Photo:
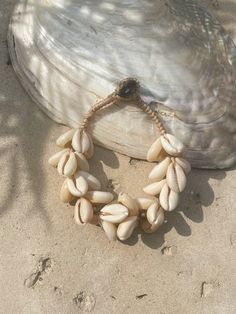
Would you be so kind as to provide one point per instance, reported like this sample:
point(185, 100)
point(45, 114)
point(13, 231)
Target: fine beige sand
point(50, 265)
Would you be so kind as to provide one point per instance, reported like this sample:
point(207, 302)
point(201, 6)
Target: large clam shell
point(68, 54)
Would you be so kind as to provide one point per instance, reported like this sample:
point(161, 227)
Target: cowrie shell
point(150, 228)
point(89, 153)
point(110, 230)
point(114, 213)
point(70, 165)
point(175, 142)
point(79, 187)
point(159, 171)
point(171, 144)
point(171, 178)
point(145, 202)
point(82, 162)
point(83, 211)
point(181, 177)
point(164, 201)
point(175, 178)
point(128, 202)
point(168, 198)
point(126, 228)
point(81, 141)
point(173, 200)
point(65, 195)
point(93, 182)
point(76, 141)
point(184, 164)
point(99, 197)
point(62, 162)
point(54, 159)
point(154, 188)
point(159, 218)
point(85, 142)
point(65, 138)
point(154, 150)
point(152, 212)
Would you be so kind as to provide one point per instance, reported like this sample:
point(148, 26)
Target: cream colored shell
point(68, 54)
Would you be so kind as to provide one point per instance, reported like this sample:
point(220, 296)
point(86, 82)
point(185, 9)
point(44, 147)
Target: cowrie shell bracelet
point(118, 218)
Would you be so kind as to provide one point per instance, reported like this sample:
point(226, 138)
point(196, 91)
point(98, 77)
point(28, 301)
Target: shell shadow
point(198, 194)
point(24, 131)
point(100, 158)
point(196, 198)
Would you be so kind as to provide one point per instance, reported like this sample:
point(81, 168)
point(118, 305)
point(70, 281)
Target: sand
point(50, 265)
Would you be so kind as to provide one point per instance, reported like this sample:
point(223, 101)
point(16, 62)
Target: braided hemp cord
point(104, 103)
point(127, 90)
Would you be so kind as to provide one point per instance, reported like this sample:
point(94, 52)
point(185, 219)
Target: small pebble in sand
point(208, 288)
point(169, 250)
point(133, 161)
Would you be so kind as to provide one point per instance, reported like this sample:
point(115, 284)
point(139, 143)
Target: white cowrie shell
point(93, 182)
point(176, 178)
point(70, 166)
point(85, 142)
point(152, 213)
point(86, 210)
point(65, 138)
point(79, 187)
point(171, 178)
point(181, 177)
point(164, 201)
point(159, 218)
point(168, 199)
point(126, 228)
point(83, 211)
point(81, 141)
point(114, 213)
point(82, 162)
point(76, 141)
point(62, 162)
point(77, 213)
point(154, 188)
point(168, 147)
point(145, 202)
point(171, 144)
point(159, 171)
point(53, 160)
point(110, 230)
point(99, 197)
point(128, 202)
point(65, 195)
point(90, 151)
point(154, 150)
point(150, 228)
point(173, 200)
point(81, 184)
point(175, 142)
point(184, 164)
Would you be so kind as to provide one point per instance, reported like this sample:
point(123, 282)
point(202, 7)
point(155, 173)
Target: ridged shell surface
point(68, 54)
